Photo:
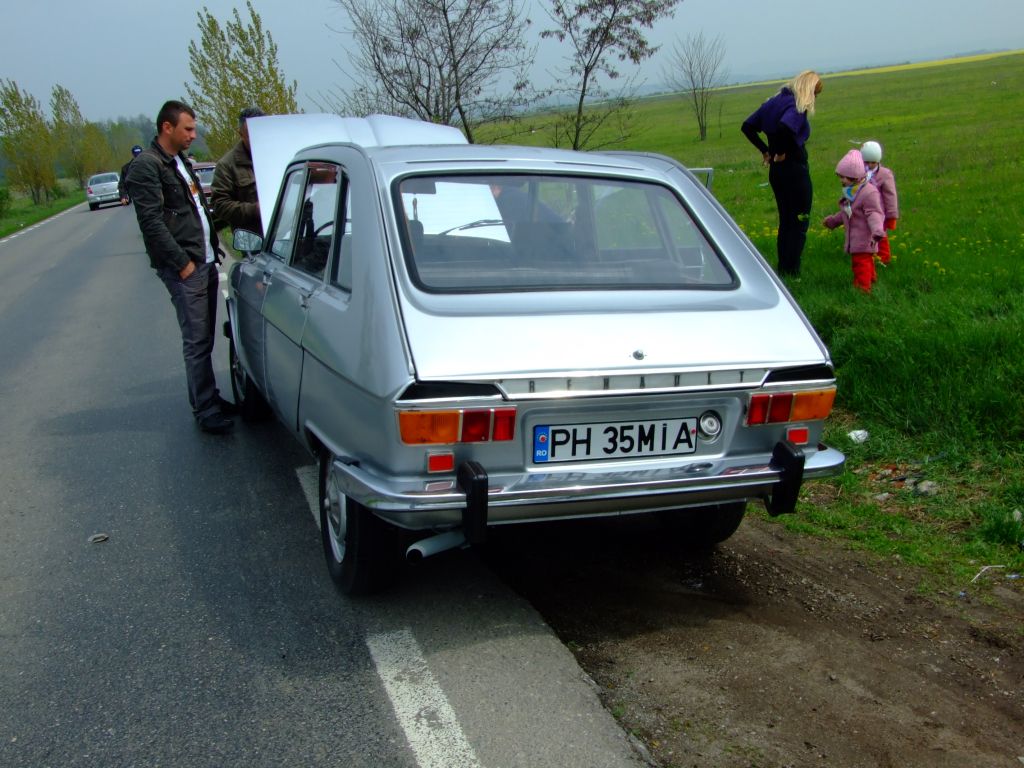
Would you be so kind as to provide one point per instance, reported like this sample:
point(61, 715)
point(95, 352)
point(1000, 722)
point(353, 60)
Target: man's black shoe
point(226, 407)
point(216, 424)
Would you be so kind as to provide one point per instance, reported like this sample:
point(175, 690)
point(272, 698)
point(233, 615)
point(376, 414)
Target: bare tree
point(695, 68)
point(235, 66)
point(600, 33)
point(455, 62)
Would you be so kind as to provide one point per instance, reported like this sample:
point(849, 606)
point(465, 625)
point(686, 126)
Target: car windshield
point(546, 232)
point(205, 175)
point(103, 178)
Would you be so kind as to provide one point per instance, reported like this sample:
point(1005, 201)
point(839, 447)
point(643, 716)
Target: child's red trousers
point(863, 270)
point(884, 254)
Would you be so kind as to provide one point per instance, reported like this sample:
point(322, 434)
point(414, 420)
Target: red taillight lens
point(88, 190)
point(476, 426)
point(504, 424)
point(757, 413)
point(780, 409)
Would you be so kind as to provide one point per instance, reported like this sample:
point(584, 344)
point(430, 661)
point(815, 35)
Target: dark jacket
point(233, 196)
point(170, 223)
point(786, 127)
point(122, 182)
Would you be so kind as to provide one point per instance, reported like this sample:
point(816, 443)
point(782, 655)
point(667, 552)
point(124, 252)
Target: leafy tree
point(455, 62)
point(97, 153)
point(27, 143)
point(68, 125)
point(600, 33)
point(695, 68)
point(234, 66)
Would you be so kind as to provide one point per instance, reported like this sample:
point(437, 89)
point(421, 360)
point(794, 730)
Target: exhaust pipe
point(433, 545)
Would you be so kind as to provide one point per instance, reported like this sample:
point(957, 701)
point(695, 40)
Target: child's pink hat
point(852, 165)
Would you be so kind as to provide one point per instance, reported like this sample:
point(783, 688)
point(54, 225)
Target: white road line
point(419, 703)
point(21, 232)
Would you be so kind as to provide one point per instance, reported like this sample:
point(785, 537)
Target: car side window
point(283, 236)
point(341, 274)
point(315, 231)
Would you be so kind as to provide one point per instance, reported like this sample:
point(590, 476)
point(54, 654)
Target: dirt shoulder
point(779, 650)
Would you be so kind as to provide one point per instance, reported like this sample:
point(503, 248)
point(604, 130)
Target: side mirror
point(245, 241)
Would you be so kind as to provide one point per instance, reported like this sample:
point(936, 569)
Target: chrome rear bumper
point(513, 498)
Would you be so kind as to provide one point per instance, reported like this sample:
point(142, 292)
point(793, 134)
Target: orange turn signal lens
point(813, 405)
point(429, 427)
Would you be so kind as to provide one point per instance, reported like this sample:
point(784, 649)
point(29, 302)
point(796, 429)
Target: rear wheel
point(704, 527)
point(361, 550)
point(251, 405)
point(93, 206)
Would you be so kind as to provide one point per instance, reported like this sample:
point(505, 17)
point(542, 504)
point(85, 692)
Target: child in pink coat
point(860, 211)
point(882, 178)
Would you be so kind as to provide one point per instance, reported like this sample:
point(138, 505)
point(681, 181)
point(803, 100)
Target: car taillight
point(782, 407)
point(88, 190)
point(465, 425)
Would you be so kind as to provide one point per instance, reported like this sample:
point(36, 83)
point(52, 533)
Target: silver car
point(469, 336)
point(102, 188)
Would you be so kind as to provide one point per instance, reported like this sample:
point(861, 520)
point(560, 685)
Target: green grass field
point(931, 363)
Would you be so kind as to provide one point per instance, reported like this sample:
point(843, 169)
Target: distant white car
point(468, 336)
point(102, 188)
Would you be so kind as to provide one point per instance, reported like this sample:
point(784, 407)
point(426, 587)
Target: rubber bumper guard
point(789, 461)
point(472, 480)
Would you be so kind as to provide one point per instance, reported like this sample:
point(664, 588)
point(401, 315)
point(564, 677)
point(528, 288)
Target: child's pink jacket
point(886, 183)
point(864, 223)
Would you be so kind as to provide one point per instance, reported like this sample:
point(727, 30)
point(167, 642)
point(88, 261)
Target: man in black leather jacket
point(177, 228)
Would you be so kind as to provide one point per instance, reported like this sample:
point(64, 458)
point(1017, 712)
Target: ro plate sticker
point(541, 441)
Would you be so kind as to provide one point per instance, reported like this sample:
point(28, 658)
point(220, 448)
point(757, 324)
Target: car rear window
point(546, 232)
point(103, 178)
point(205, 175)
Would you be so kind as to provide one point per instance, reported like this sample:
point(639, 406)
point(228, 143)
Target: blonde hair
point(804, 87)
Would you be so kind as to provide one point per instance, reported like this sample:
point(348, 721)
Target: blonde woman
point(783, 121)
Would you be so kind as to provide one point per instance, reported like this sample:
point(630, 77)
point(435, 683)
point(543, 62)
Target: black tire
point(704, 527)
point(251, 404)
point(93, 206)
point(361, 550)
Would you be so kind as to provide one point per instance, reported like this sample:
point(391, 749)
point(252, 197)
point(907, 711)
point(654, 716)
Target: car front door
point(294, 284)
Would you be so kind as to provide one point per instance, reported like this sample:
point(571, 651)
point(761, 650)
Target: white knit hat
point(871, 152)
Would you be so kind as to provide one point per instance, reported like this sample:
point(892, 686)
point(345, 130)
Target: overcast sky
point(126, 57)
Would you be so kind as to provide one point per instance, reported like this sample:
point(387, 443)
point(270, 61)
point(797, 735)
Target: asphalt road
point(204, 630)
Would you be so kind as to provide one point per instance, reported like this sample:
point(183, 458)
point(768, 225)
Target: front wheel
point(704, 527)
point(250, 402)
point(361, 550)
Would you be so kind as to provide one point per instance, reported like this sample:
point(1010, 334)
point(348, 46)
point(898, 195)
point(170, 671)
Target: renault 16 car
point(471, 336)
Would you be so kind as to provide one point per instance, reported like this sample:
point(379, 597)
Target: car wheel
point(361, 550)
point(93, 206)
point(704, 527)
point(250, 402)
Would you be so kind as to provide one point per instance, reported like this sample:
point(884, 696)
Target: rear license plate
point(622, 440)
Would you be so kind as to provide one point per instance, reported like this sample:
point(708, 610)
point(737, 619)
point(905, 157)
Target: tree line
point(464, 63)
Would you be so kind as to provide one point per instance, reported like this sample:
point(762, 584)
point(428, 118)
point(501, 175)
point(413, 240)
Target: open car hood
point(276, 139)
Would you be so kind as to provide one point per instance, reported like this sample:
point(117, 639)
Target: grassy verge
point(23, 213)
point(932, 363)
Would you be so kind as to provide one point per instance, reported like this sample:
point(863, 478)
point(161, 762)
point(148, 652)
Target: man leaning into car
point(177, 228)
point(233, 195)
